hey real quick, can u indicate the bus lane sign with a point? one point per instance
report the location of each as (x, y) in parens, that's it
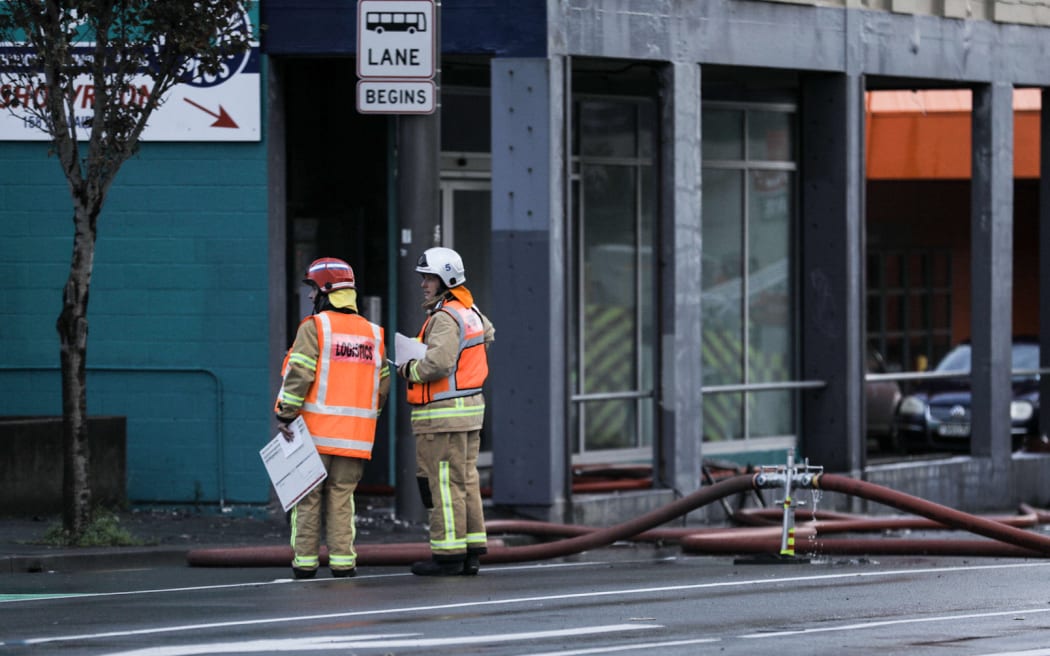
(395, 96)
(395, 39)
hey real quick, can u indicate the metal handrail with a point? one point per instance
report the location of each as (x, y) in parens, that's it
(611, 396)
(709, 389)
(941, 375)
(764, 387)
(219, 402)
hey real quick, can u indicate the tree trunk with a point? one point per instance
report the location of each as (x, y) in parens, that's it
(72, 329)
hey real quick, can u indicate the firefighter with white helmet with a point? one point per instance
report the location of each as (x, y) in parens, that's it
(448, 409)
(335, 377)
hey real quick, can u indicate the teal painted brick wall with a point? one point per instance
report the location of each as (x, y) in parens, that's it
(177, 317)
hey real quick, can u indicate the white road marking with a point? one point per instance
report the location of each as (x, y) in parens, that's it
(10, 598)
(396, 641)
(615, 648)
(515, 600)
(909, 620)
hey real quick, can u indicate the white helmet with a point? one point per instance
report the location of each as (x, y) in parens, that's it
(444, 263)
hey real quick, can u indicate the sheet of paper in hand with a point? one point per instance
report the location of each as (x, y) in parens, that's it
(294, 466)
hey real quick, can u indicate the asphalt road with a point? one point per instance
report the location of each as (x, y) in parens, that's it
(618, 600)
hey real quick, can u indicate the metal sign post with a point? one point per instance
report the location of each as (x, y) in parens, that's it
(398, 64)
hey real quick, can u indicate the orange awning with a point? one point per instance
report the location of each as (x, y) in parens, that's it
(925, 134)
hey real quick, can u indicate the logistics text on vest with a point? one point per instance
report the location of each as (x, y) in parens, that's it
(352, 348)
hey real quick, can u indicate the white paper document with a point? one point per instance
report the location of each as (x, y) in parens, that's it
(294, 467)
(407, 348)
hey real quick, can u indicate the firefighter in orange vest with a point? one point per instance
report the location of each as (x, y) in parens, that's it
(448, 408)
(335, 376)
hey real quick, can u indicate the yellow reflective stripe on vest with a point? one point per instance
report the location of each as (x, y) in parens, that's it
(459, 410)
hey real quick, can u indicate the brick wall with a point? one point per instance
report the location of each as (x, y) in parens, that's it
(177, 315)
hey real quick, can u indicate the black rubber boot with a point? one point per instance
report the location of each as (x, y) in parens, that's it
(473, 562)
(303, 573)
(438, 566)
(344, 573)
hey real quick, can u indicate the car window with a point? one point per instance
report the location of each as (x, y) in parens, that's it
(958, 359)
(1026, 356)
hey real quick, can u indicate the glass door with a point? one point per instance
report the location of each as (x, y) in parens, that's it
(466, 227)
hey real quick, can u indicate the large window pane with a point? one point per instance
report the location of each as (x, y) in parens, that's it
(613, 342)
(647, 304)
(610, 279)
(723, 134)
(770, 299)
(722, 311)
(722, 355)
(748, 293)
(723, 416)
(609, 425)
(607, 129)
(769, 137)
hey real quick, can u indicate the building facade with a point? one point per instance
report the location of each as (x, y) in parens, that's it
(661, 205)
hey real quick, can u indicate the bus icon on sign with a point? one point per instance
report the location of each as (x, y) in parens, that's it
(396, 39)
(396, 21)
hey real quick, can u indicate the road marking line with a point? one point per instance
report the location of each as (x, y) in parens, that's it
(614, 648)
(911, 620)
(396, 641)
(519, 600)
(283, 581)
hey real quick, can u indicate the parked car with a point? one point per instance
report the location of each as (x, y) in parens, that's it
(881, 398)
(937, 415)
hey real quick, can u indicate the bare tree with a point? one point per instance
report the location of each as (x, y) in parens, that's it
(127, 55)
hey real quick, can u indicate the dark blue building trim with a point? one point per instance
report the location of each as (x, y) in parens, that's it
(500, 28)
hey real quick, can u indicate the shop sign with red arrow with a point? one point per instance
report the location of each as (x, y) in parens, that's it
(226, 107)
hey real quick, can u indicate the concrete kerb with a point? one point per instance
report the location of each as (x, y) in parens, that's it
(92, 559)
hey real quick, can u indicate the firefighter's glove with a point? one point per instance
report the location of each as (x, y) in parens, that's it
(405, 369)
(285, 429)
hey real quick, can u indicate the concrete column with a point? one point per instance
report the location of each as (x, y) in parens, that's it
(528, 361)
(991, 267)
(678, 456)
(832, 271)
(1044, 262)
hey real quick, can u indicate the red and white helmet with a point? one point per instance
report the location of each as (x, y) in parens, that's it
(330, 274)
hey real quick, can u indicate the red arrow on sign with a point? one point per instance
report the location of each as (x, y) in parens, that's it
(222, 119)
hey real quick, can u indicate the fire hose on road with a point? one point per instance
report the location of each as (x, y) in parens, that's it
(1007, 538)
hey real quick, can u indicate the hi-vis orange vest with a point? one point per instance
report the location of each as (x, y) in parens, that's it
(342, 405)
(472, 366)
